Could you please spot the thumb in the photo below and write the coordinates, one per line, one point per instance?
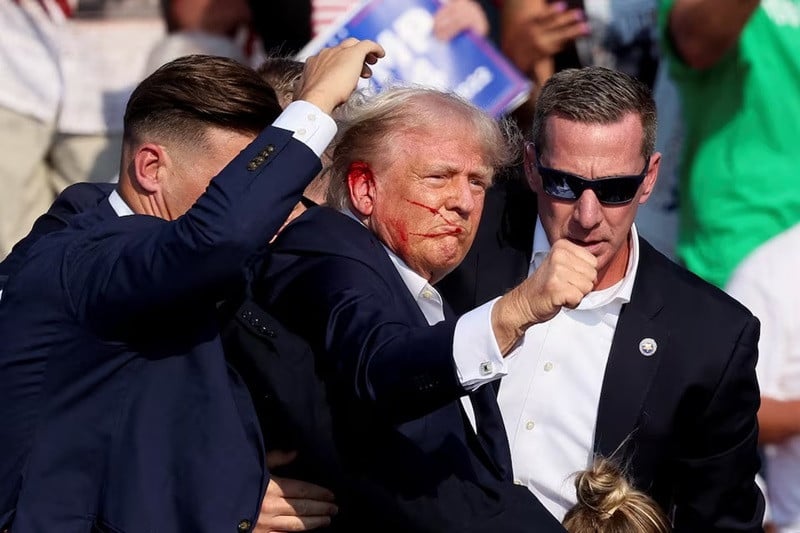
(277, 458)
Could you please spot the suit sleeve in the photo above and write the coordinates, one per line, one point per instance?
(716, 490)
(138, 266)
(73, 200)
(367, 343)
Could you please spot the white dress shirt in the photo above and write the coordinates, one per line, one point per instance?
(550, 397)
(767, 283)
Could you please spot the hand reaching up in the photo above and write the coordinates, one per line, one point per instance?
(330, 77)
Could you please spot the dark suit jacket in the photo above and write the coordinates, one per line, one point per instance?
(117, 409)
(690, 408)
(412, 461)
(272, 362)
(75, 199)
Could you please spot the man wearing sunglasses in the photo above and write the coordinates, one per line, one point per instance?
(654, 367)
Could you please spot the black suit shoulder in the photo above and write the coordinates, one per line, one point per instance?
(73, 200)
(704, 300)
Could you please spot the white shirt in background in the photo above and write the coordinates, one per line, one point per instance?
(767, 283)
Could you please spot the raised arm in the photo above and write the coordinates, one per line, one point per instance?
(702, 31)
(153, 266)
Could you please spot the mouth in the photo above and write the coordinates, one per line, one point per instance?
(445, 231)
(590, 245)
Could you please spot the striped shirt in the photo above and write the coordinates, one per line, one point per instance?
(326, 12)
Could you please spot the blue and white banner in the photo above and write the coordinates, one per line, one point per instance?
(468, 64)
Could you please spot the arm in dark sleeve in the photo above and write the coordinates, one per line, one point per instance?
(75, 199)
(128, 269)
(716, 489)
(364, 339)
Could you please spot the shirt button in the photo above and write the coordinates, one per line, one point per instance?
(427, 294)
(517, 482)
(244, 525)
(486, 368)
(312, 117)
(529, 425)
(301, 132)
(548, 366)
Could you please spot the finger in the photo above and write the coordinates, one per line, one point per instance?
(293, 523)
(368, 47)
(293, 488)
(276, 458)
(550, 13)
(572, 298)
(452, 19)
(302, 507)
(350, 41)
(565, 246)
(582, 283)
(572, 32)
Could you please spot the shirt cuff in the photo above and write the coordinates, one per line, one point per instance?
(475, 350)
(308, 124)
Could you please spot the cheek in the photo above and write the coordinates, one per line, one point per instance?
(399, 231)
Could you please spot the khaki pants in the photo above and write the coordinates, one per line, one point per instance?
(37, 162)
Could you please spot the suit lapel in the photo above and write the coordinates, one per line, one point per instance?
(631, 367)
(504, 251)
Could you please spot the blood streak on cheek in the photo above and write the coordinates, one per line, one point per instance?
(433, 210)
(423, 206)
(400, 232)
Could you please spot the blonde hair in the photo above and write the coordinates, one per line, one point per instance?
(608, 503)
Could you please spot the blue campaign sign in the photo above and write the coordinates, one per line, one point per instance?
(467, 65)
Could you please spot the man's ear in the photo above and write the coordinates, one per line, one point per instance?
(150, 162)
(531, 175)
(361, 184)
(650, 178)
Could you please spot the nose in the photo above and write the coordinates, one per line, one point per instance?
(587, 211)
(462, 196)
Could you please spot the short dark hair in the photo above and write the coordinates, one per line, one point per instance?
(185, 97)
(281, 73)
(594, 95)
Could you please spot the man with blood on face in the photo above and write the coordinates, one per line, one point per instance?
(354, 278)
(424, 197)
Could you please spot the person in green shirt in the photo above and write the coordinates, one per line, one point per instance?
(737, 68)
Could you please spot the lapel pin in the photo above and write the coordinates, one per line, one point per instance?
(648, 347)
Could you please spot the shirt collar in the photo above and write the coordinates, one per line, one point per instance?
(620, 291)
(118, 205)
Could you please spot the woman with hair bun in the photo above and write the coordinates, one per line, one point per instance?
(608, 503)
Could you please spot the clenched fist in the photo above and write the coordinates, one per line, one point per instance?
(566, 275)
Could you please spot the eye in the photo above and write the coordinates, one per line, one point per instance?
(480, 183)
(436, 180)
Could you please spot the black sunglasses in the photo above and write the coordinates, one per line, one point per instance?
(613, 190)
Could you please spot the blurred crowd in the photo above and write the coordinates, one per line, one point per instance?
(725, 79)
